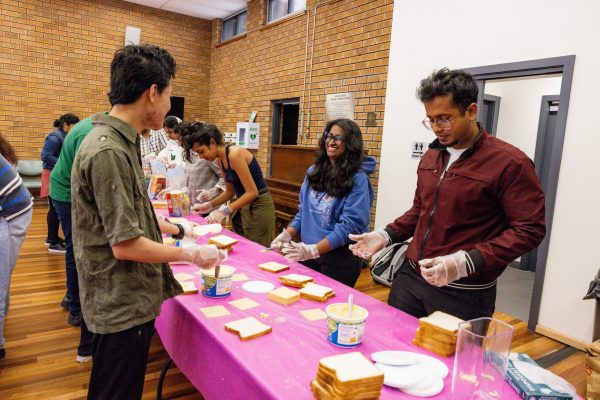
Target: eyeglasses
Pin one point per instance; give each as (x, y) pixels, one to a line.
(443, 124)
(337, 139)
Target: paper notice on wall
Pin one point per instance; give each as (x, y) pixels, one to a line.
(339, 105)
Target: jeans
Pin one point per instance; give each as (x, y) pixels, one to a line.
(53, 223)
(12, 234)
(63, 209)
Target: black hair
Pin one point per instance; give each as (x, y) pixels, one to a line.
(69, 119)
(458, 83)
(200, 133)
(170, 122)
(8, 151)
(135, 68)
(337, 179)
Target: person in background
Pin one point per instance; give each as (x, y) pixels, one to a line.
(203, 178)
(477, 207)
(60, 195)
(50, 153)
(151, 143)
(335, 201)
(121, 261)
(15, 217)
(243, 178)
(172, 155)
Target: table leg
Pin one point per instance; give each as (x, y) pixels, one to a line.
(161, 378)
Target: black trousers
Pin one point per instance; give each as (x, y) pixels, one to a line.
(120, 363)
(339, 264)
(413, 295)
(53, 223)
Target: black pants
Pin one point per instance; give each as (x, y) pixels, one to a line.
(339, 264)
(413, 295)
(53, 223)
(120, 363)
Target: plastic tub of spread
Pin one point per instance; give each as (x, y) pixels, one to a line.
(346, 330)
(217, 287)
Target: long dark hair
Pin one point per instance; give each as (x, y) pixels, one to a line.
(337, 179)
(198, 133)
(8, 151)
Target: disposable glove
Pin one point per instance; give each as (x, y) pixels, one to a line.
(369, 243)
(208, 194)
(300, 251)
(219, 215)
(281, 239)
(205, 256)
(202, 208)
(440, 271)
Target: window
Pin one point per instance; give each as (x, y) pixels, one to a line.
(234, 25)
(285, 121)
(280, 8)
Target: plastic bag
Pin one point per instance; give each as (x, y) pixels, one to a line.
(176, 178)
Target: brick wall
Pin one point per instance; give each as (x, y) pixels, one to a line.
(351, 52)
(55, 58)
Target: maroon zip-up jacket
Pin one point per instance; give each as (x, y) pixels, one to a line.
(489, 204)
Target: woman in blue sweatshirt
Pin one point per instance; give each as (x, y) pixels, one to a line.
(335, 201)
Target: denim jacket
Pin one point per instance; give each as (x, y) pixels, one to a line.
(51, 149)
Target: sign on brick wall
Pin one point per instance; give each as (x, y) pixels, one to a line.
(339, 105)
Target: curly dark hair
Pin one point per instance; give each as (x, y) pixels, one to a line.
(135, 68)
(8, 151)
(200, 133)
(69, 119)
(337, 179)
(458, 83)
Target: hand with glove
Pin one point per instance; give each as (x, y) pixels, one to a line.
(300, 251)
(202, 208)
(281, 239)
(369, 243)
(204, 256)
(217, 216)
(440, 271)
(208, 194)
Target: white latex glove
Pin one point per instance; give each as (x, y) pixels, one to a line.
(440, 271)
(300, 251)
(208, 194)
(369, 243)
(217, 216)
(202, 208)
(188, 229)
(281, 239)
(150, 156)
(205, 256)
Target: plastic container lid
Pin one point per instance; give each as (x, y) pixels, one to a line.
(225, 271)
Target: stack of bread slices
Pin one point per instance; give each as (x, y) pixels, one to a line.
(347, 376)
(437, 333)
(312, 291)
(295, 280)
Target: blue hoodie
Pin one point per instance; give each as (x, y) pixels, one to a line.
(320, 215)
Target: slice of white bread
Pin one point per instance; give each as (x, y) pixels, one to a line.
(222, 241)
(273, 266)
(284, 296)
(442, 322)
(248, 328)
(312, 291)
(189, 287)
(295, 280)
(351, 367)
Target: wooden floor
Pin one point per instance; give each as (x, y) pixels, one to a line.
(41, 346)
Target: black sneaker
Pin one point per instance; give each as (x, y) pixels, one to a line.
(65, 302)
(74, 319)
(47, 242)
(57, 248)
(2, 353)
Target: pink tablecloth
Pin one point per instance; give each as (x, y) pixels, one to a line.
(279, 365)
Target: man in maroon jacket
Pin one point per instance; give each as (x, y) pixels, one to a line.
(477, 207)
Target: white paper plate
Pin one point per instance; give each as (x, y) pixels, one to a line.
(421, 390)
(435, 365)
(395, 357)
(258, 286)
(402, 376)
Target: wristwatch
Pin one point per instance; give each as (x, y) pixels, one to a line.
(181, 233)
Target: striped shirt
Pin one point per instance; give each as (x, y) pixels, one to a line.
(15, 199)
(154, 143)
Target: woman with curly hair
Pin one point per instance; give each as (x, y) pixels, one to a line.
(243, 178)
(335, 201)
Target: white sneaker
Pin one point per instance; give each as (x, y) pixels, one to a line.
(83, 359)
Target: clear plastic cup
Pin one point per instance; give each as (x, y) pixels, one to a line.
(482, 349)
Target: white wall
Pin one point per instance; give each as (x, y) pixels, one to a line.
(427, 35)
(520, 104)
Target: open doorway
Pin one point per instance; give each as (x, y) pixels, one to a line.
(539, 132)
